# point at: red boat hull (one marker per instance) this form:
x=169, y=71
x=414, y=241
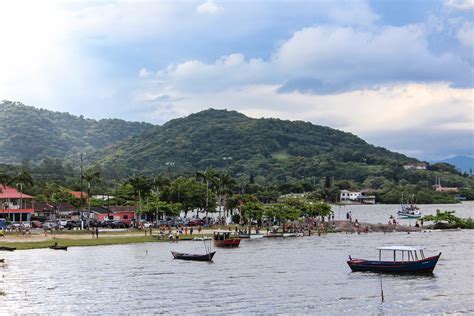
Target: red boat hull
x=234, y=242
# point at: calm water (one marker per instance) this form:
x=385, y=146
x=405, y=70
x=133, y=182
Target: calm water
x=380, y=213
x=295, y=275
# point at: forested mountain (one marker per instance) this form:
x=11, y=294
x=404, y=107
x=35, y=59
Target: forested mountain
x=463, y=163
x=270, y=148
x=33, y=134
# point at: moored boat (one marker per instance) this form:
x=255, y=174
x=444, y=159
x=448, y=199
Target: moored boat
x=193, y=257
x=5, y=248
x=225, y=238
x=250, y=236
x=58, y=247
x=409, y=210
x=413, y=260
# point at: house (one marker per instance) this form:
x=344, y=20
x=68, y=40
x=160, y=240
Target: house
x=440, y=188
x=346, y=195
x=77, y=194
x=14, y=204
x=126, y=214
x=57, y=210
x=415, y=166
x=361, y=196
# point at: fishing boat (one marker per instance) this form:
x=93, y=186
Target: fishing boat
x=411, y=260
x=5, y=248
x=193, y=257
x=225, y=238
x=409, y=210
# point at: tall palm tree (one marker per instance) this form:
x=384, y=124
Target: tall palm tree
x=141, y=186
x=23, y=179
x=210, y=177
x=91, y=176
x=226, y=184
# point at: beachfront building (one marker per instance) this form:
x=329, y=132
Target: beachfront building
x=358, y=196
x=15, y=205
x=440, y=188
x=415, y=166
x=56, y=210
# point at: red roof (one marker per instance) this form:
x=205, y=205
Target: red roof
x=7, y=192
x=77, y=194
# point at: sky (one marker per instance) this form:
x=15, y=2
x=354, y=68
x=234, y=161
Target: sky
x=398, y=73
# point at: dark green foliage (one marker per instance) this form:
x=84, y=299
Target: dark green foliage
x=452, y=221
x=34, y=134
x=274, y=149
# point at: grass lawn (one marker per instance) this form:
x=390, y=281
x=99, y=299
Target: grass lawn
x=88, y=242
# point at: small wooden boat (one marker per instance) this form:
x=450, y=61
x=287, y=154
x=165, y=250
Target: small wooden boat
x=193, y=257
x=225, y=238
x=411, y=263
x=56, y=247
x=5, y=248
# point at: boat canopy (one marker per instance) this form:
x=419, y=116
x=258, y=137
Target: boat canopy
x=401, y=248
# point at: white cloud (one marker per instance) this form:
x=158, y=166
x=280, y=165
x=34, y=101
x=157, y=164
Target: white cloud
x=466, y=35
x=208, y=7
x=328, y=59
x=460, y=4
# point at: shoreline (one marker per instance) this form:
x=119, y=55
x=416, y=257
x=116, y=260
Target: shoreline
x=38, y=240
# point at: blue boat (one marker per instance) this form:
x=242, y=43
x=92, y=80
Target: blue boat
x=410, y=260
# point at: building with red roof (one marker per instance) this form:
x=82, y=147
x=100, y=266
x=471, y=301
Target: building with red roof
x=14, y=204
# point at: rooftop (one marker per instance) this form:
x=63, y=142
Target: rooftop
x=7, y=192
x=401, y=248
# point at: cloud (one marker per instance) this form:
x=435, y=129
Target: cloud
x=328, y=59
x=466, y=35
x=208, y=7
x=460, y=4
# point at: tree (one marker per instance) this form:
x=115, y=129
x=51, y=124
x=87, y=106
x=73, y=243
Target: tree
x=281, y=213
x=91, y=176
x=209, y=177
x=22, y=179
x=252, y=211
x=190, y=193
x=141, y=187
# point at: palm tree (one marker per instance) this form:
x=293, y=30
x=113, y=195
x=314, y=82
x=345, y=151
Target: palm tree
x=209, y=177
x=22, y=178
x=141, y=186
x=91, y=176
x=226, y=184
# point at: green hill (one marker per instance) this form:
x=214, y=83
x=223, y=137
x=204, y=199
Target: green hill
x=271, y=148
x=33, y=134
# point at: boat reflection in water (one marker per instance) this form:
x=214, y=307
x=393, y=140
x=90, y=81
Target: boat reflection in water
x=409, y=263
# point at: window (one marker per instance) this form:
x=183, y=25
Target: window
x=125, y=217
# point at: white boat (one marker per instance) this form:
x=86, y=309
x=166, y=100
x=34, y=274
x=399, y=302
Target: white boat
x=201, y=238
x=409, y=210
x=256, y=236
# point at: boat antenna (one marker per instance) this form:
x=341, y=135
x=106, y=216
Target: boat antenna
x=381, y=289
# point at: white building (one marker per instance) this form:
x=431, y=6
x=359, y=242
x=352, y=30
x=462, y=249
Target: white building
x=347, y=195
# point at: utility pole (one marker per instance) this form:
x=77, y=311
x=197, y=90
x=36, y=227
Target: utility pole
x=82, y=205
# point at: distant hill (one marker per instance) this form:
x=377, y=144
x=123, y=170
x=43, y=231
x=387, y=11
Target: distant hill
x=463, y=163
x=271, y=148
x=33, y=134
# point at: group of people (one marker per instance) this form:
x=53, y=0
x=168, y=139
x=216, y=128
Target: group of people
x=392, y=221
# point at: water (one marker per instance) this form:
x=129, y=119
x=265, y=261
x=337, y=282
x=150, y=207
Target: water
x=269, y=276
x=380, y=213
